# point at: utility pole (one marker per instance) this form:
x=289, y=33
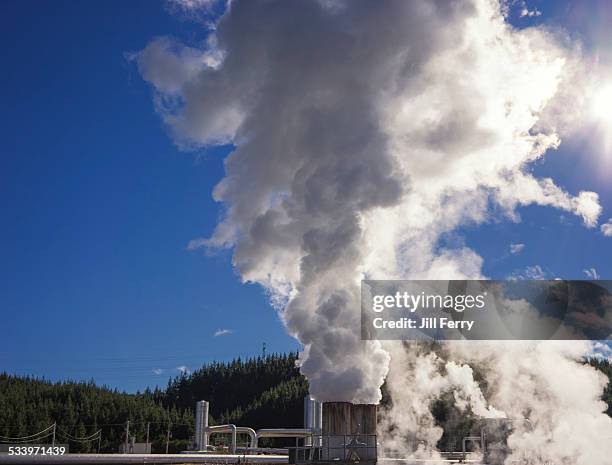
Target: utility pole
x=99, y=440
x=148, y=424
x=168, y=437
x=127, y=437
x=53, y=437
x=263, y=350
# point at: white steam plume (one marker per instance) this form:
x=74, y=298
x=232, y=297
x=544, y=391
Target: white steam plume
x=547, y=383
x=363, y=131
x=544, y=382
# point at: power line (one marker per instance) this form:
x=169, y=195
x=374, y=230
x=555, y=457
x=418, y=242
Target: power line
x=91, y=437
x=49, y=428
x=99, y=425
x=12, y=441
x=97, y=436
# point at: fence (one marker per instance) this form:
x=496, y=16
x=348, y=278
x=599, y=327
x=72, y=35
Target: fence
x=336, y=447
x=158, y=436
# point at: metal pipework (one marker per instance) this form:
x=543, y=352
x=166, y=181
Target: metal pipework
x=313, y=420
x=527, y=421
x=479, y=439
x=225, y=429
x=308, y=416
x=252, y=435
x=235, y=430
x=283, y=433
x=201, y=425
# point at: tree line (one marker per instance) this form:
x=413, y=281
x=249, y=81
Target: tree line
x=257, y=392
x=261, y=391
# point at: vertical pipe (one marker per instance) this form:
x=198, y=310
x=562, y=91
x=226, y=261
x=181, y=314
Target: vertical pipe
x=313, y=420
x=201, y=425
x=318, y=423
x=198, y=426
x=308, y=417
x=483, y=441
x=233, y=445
x=204, y=420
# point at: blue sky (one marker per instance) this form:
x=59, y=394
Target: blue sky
x=98, y=206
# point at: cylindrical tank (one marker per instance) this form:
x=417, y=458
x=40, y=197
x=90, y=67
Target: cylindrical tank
x=201, y=423
x=312, y=419
x=348, y=418
x=349, y=432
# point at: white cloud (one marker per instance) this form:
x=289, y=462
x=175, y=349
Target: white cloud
x=606, y=228
x=157, y=371
x=535, y=272
x=587, y=206
x=602, y=350
x=520, y=7
x=222, y=332
x=193, y=4
x=591, y=273
x=183, y=369
x=169, y=65
x=530, y=272
x=530, y=13
x=205, y=11
x=516, y=248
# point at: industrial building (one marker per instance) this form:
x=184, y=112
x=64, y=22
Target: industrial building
x=338, y=432
x=333, y=433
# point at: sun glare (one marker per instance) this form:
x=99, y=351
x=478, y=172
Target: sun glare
x=602, y=106
x=601, y=112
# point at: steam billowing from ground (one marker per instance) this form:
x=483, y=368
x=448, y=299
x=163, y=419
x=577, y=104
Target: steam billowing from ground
x=363, y=131
x=544, y=382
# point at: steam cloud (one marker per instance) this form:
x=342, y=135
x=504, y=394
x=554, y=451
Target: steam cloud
x=543, y=382
x=363, y=131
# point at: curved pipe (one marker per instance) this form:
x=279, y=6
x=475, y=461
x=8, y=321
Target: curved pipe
x=282, y=433
x=238, y=430
x=250, y=432
x=224, y=429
